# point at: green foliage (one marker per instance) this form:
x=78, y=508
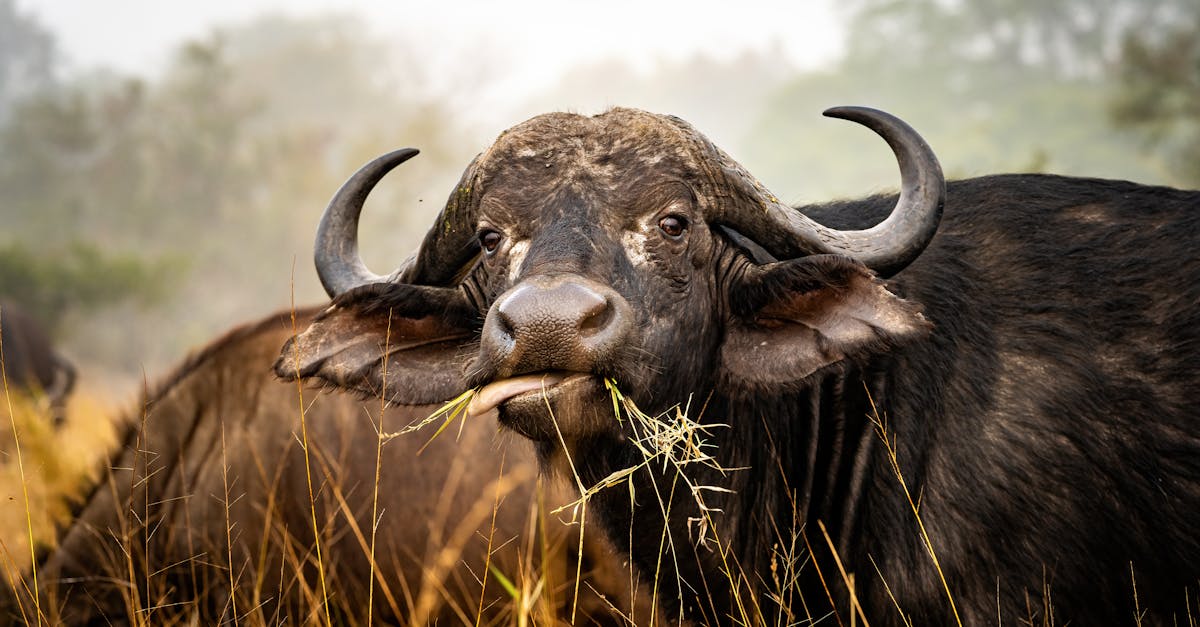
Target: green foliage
x=1067, y=37
x=80, y=277
x=993, y=85
x=204, y=183
x=1160, y=76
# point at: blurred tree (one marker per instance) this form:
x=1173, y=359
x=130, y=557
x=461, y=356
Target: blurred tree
x=64, y=158
x=48, y=137
x=326, y=99
x=1041, y=124
x=197, y=190
x=27, y=55
x=994, y=85
x=1066, y=37
x=79, y=277
x=1160, y=76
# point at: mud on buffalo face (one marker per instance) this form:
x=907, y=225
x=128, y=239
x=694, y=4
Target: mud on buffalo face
x=622, y=246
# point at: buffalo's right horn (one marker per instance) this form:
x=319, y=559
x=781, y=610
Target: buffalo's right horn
x=335, y=252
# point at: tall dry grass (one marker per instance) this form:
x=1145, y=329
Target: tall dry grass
x=43, y=472
x=58, y=463
x=57, y=466
x=542, y=589
x=324, y=588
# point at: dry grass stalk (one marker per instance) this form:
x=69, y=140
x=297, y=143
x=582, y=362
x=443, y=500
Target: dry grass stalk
x=307, y=465
x=890, y=447
x=24, y=487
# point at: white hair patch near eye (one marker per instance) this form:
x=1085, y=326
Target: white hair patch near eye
x=516, y=257
x=635, y=248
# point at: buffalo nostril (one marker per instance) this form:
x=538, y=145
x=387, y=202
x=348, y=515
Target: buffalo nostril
x=499, y=333
x=512, y=312
x=504, y=326
x=596, y=319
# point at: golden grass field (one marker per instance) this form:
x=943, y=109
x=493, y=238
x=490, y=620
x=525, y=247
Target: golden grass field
x=42, y=469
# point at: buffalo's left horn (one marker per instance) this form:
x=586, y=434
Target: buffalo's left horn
x=886, y=247
x=335, y=252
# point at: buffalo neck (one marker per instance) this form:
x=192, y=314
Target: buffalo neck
x=808, y=461
x=797, y=468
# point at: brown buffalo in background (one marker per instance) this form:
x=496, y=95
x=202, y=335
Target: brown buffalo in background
x=208, y=508
x=31, y=364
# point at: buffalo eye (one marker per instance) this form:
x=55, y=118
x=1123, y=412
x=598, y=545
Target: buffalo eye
x=489, y=240
x=673, y=226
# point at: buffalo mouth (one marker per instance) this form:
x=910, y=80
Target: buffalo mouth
x=524, y=389
x=537, y=405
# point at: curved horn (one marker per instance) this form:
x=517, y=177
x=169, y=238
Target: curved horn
x=894, y=243
x=336, y=250
x=450, y=245
x=886, y=247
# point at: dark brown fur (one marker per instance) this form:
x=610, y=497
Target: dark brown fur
x=1031, y=378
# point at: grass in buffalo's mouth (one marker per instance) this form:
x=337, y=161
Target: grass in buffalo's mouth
x=674, y=445
x=670, y=440
x=451, y=410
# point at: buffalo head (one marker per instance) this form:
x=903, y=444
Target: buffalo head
x=624, y=246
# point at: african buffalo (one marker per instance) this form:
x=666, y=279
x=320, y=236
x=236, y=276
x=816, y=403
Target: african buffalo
x=987, y=414
x=30, y=362
x=208, y=508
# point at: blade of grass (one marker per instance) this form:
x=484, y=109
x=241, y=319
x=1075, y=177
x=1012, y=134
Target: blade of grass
x=889, y=447
x=846, y=578
x=583, y=514
x=312, y=503
x=339, y=496
x=387, y=344
x=16, y=581
x=907, y=621
x=452, y=409
x=233, y=609
x=37, y=598
x=505, y=582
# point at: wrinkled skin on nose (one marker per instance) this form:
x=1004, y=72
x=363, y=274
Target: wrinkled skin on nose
x=549, y=323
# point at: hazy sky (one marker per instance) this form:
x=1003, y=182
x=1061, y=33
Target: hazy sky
x=533, y=40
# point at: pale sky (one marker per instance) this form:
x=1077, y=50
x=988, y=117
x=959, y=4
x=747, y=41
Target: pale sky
x=534, y=40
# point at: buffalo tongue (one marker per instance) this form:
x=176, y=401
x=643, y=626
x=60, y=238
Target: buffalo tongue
x=497, y=392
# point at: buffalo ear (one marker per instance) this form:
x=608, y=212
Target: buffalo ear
x=417, y=332
x=795, y=317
